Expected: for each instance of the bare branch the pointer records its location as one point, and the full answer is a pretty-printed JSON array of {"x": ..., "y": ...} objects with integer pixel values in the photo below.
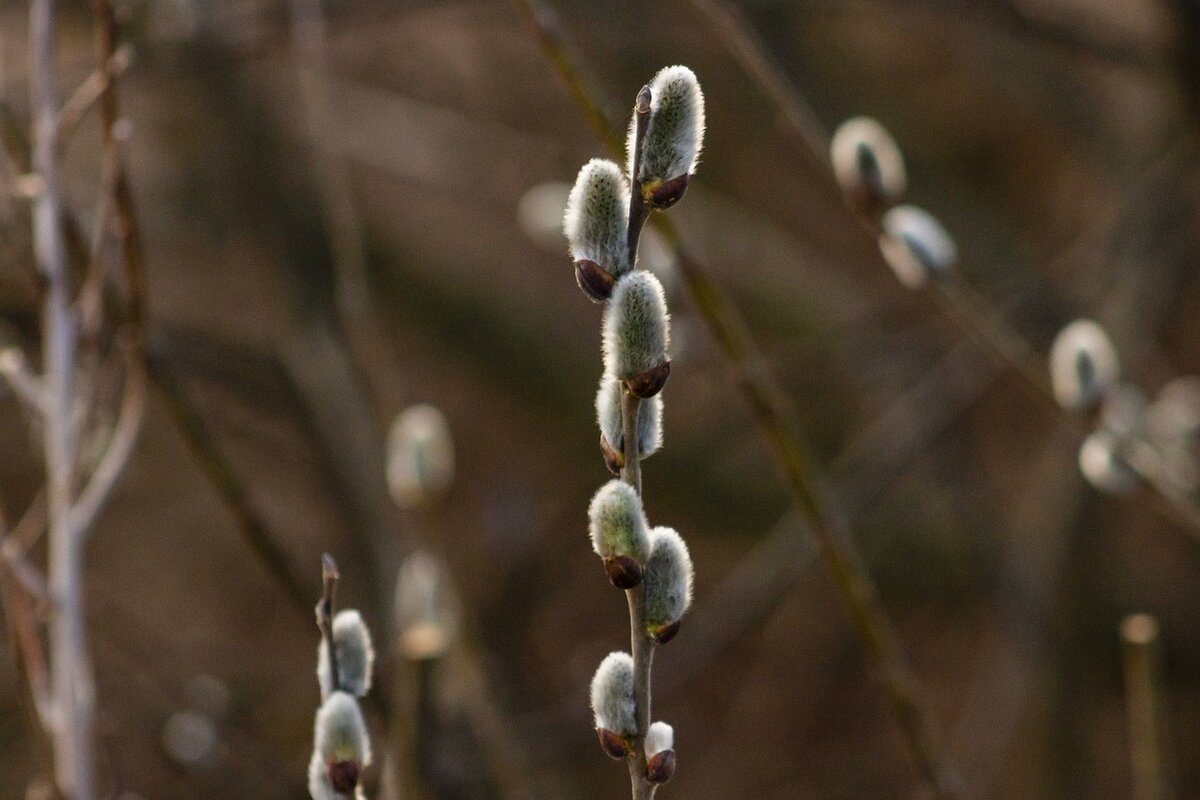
[
  {"x": 88, "y": 93},
  {"x": 776, "y": 418},
  {"x": 28, "y": 388},
  {"x": 116, "y": 454}
]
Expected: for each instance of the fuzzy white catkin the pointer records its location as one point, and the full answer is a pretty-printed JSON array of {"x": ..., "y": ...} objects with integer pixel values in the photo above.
[
  {"x": 865, "y": 158},
  {"x": 668, "y": 578},
  {"x": 339, "y": 732},
  {"x": 1102, "y": 465},
  {"x": 426, "y": 609},
  {"x": 1124, "y": 410},
  {"x": 659, "y": 737},
  {"x": 1175, "y": 412},
  {"x": 608, "y": 415},
  {"x": 617, "y": 523},
  {"x": 355, "y": 655},
  {"x": 636, "y": 327},
  {"x": 675, "y": 131},
  {"x": 1083, "y": 365},
  {"x": 916, "y": 246},
  {"x": 613, "y": 701},
  {"x": 420, "y": 456},
  {"x": 596, "y": 220}
]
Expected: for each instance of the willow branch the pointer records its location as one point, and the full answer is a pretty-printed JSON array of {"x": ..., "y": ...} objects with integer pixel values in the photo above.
[
  {"x": 641, "y": 644},
  {"x": 28, "y": 387},
  {"x": 776, "y": 419},
  {"x": 954, "y": 298},
  {"x": 88, "y": 93}
]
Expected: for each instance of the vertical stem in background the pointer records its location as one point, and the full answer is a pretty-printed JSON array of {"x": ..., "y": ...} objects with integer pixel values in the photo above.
[
  {"x": 641, "y": 645},
  {"x": 1139, "y": 646},
  {"x": 71, "y": 687}
]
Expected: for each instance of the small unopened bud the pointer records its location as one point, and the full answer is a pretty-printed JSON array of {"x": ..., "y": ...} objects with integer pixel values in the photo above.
[
  {"x": 636, "y": 333},
  {"x": 337, "y": 781},
  {"x": 1102, "y": 465},
  {"x": 674, "y": 136},
  {"x": 355, "y": 656},
  {"x": 595, "y": 281},
  {"x": 613, "y": 701},
  {"x": 612, "y": 436},
  {"x": 867, "y": 164},
  {"x": 420, "y": 456},
  {"x": 341, "y": 748},
  {"x": 916, "y": 246},
  {"x": 1083, "y": 365},
  {"x": 596, "y": 224},
  {"x": 668, "y": 580},
  {"x": 659, "y": 737},
  {"x": 426, "y": 609},
  {"x": 660, "y": 752},
  {"x": 661, "y": 767},
  {"x": 617, "y": 523},
  {"x": 614, "y": 746},
  {"x": 623, "y": 571},
  {"x": 343, "y": 775}
]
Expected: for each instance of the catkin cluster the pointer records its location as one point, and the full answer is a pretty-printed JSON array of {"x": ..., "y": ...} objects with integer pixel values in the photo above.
[
  {"x": 869, "y": 168},
  {"x": 605, "y": 212},
  {"x": 1132, "y": 438},
  {"x": 341, "y": 746}
]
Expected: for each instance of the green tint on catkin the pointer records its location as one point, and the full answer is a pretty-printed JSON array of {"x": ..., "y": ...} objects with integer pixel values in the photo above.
[
  {"x": 596, "y": 223},
  {"x": 674, "y": 136},
  {"x": 636, "y": 329},
  {"x": 668, "y": 580}
]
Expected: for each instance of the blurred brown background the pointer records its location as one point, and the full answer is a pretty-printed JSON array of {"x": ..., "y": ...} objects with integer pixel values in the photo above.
[{"x": 1057, "y": 139}]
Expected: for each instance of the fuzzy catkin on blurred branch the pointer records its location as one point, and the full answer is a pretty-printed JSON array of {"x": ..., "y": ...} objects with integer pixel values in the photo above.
[{"x": 904, "y": 231}]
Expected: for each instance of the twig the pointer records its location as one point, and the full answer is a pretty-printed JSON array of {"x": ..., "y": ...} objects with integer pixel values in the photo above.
[
  {"x": 220, "y": 472},
  {"x": 28, "y": 387},
  {"x": 27, "y": 574},
  {"x": 1143, "y": 699},
  {"x": 641, "y": 643},
  {"x": 329, "y": 579},
  {"x": 88, "y": 93},
  {"x": 70, "y": 679},
  {"x": 22, "y": 625},
  {"x": 310, "y": 56},
  {"x": 776, "y": 418}
]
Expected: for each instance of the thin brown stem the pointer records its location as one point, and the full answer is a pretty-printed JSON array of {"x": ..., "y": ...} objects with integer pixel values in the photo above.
[
  {"x": 641, "y": 644},
  {"x": 631, "y": 469},
  {"x": 329, "y": 579},
  {"x": 1143, "y": 700},
  {"x": 638, "y": 211}
]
